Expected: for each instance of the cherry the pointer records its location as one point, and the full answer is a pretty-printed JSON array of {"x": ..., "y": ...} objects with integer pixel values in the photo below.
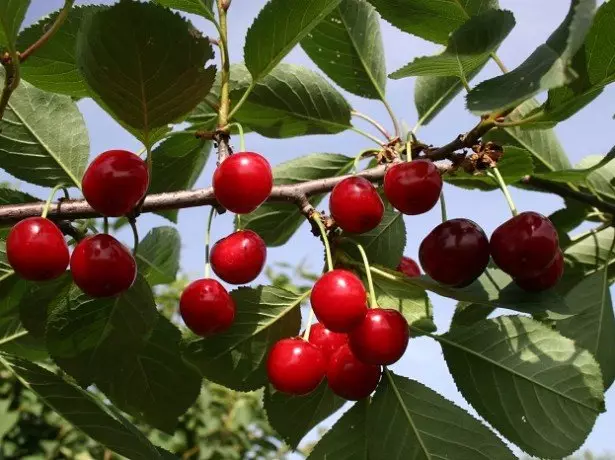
[
  {"x": 413, "y": 187},
  {"x": 102, "y": 266},
  {"x": 546, "y": 279},
  {"x": 409, "y": 267},
  {"x": 239, "y": 258},
  {"x": 350, "y": 378},
  {"x": 243, "y": 182},
  {"x": 36, "y": 249},
  {"x": 381, "y": 338},
  {"x": 525, "y": 245},
  {"x": 328, "y": 341},
  {"x": 355, "y": 205},
  {"x": 206, "y": 307},
  {"x": 115, "y": 182},
  {"x": 455, "y": 253},
  {"x": 339, "y": 300},
  {"x": 295, "y": 366}
]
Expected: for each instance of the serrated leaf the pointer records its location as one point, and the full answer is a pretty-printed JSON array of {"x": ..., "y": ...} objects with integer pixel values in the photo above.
[
  {"x": 201, "y": 7},
  {"x": 279, "y": 26},
  {"x": 12, "y": 14},
  {"x": 579, "y": 176},
  {"x": 532, "y": 384},
  {"x": 347, "y": 46},
  {"x": 409, "y": 420},
  {"x": 158, "y": 255},
  {"x": 237, "y": 357},
  {"x": 468, "y": 314},
  {"x": 13, "y": 196}
]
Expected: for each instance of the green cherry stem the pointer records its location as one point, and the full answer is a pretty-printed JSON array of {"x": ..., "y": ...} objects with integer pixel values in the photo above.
[
  {"x": 323, "y": 233},
  {"x": 50, "y": 199},
  {"x": 106, "y": 225},
  {"x": 242, "y": 141},
  {"x": 370, "y": 283},
  {"x": 135, "y": 234},
  {"x": 500, "y": 181},
  {"x": 308, "y": 326},
  {"x": 210, "y": 219},
  {"x": 443, "y": 207}
]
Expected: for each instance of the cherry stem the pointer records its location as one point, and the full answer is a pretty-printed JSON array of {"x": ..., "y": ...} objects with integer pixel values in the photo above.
[
  {"x": 210, "y": 219},
  {"x": 370, "y": 120},
  {"x": 50, "y": 199},
  {"x": 308, "y": 326},
  {"x": 500, "y": 181},
  {"x": 367, "y": 135},
  {"x": 242, "y": 141},
  {"x": 443, "y": 207},
  {"x": 106, "y": 225},
  {"x": 135, "y": 234},
  {"x": 368, "y": 273},
  {"x": 323, "y": 233}
]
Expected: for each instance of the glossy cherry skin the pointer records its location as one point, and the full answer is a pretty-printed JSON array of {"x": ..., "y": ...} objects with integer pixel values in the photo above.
[
  {"x": 350, "y": 378},
  {"x": 546, "y": 279},
  {"x": 409, "y": 267},
  {"x": 339, "y": 300},
  {"x": 239, "y": 258},
  {"x": 206, "y": 307},
  {"x": 295, "y": 366},
  {"x": 413, "y": 187},
  {"x": 102, "y": 266},
  {"x": 243, "y": 182},
  {"x": 36, "y": 249},
  {"x": 455, "y": 253},
  {"x": 381, "y": 338},
  {"x": 355, "y": 205},
  {"x": 328, "y": 341},
  {"x": 524, "y": 245},
  {"x": 115, "y": 182}
]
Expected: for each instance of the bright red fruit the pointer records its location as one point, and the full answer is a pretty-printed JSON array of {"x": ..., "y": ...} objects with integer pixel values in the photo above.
[
  {"x": 381, "y": 338},
  {"x": 524, "y": 245},
  {"x": 547, "y": 279},
  {"x": 339, "y": 300},
  {"x": 350, "y": 378},
  {"x": 102, "y": 266},
  {"x": 413, "y": 187},
  {"x": 206, "y": 307},
  {"x": 355, "y": 205},
  {"x": 243, "y": 182},
  {"x": 409, "y": 267},
  {"x": 239, "y": 258},
  {"x": 295, "y": 366},
  {"x": 328, "y": 341},
  {"x": 455, "y": 253},
  {"x": 115, "y": 182},
  {"x": 36, "y": 249}
]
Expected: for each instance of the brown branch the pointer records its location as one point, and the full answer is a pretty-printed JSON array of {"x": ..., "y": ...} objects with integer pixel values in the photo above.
[{"x": 11, "y": 80}]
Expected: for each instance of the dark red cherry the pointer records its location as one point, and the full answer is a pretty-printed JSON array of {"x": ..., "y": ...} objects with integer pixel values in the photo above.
[
  {"x": 36, "y": 249},
  {"x": 243, "y": 182},
  {"x": 409, "y": 267},
  {"x": 524, "y": 245},
  {"x": 206, "y": 307},
  {"x": 295, "y": 366},
  {"x": 414, "y": 187},
  {"x": 455, "y": 253},
  {"x": 381, "y": 338},
  {"x": 239, "y": 258},
  {"x": 328, "y": 341},
  {"x": 115, "y": 182},
  {"x": 102, "y": 266},
  {"x": 339, "y": 300},
  {"x": 350, "y": 378},
  {"x": 546, "y": 279},
  {"x": 355, "y": 205}
]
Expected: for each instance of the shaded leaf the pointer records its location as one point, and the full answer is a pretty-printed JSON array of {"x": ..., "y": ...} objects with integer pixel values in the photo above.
[
  {"x": 580, "y": 176},
  {"x": 468, "y": 314},
  {"x": 600, "y": 180},
  {"x": 15, "y": 340},
  {"x": 432, "y": 94},
  {"x": 12, "y": 14},
  {"x": 158, "y": 255},
  {"x": 592, "y": 249},
  {"x": 201, "y": 7}
]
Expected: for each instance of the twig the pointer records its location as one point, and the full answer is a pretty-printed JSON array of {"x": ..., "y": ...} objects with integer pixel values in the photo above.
[{"x": 374, "y": 123}]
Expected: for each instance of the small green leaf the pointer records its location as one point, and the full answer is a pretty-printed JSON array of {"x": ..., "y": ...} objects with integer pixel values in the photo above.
[
  {"x": 158, "y": 255},
  {"x": 12, "y": 14},
  {"x": 201, "y": 7}
]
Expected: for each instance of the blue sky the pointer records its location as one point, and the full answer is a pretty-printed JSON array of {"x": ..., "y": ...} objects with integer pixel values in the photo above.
[{"x": 585, "y": 134}]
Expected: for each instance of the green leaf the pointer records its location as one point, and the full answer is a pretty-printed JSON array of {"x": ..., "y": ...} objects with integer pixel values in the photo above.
[
  {"x": 432, "y": 94},
  {"x": 201, "y": 7},
  {"x": 468, "y": 314},
  {"x": 347, "y": 46},
  {"x": 236, "y": 358},
  {"x": 591, "y": 249},
  {"x": 600, "y": 180},
  {"x": 280, "y": 25},
  {"x": 468, "y": 49},
  {"x": 549, "y": 66},
  {"x": 33, "y": 149},
  {"x": 277, "y": 222},
  {"x": 12, "y": 196},
  {"x": 85, "y": 336},
  {"x": 533, "y": 385},
  {"x": 15, "y": 340},
  {"x": 34, "y": 305},
  {"x": 579, "y": 176},
  {"x": 158, "y": 255},
  {"x": 12, "y": 14},
  {"x": 82, "y": 410},
  {"x": 145, "y": 63},
  {"x": 294, "y": 416},
  {"x": 347, "y": 439},
  {"x": 409, "y": 420}
]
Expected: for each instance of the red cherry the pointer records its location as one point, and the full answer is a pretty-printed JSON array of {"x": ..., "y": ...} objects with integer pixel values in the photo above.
[
  {"x": 36, "y": 249},
  {"x": 414, "y": 187},
  {"x": 206, "y": 307},
  {"x": 295, "y": 366},
  {"x": 350, "y": 378},
  {"x": 455, "y": 253},
  {"x": 328, "y": 341},
  {"x": 102, "y": 266},
  {"x": 525, "y": 245},
  {"x": 409, "y": 267},
  {"x": 239, "y": 258},
  {"x": 115, "y": 182},
  {"x": 243, "y": 182},
  {"x": 548, "y": 278},
  {"x": 381, "y": 338},
  {"x": 355, "y": 205},
  {"x": 339, "y": 300}
]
